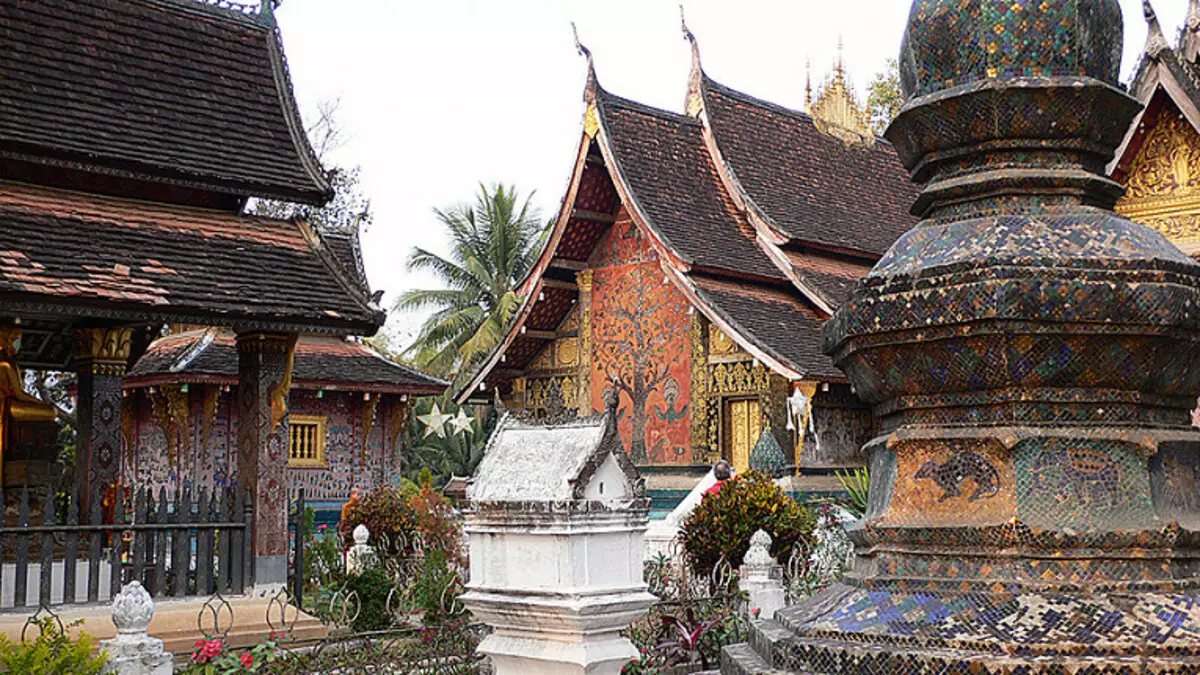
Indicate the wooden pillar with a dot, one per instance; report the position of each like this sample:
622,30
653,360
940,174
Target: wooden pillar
264,380
101,358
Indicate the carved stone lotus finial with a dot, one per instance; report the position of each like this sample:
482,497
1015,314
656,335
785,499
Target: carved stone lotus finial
132,609
361,535
758,561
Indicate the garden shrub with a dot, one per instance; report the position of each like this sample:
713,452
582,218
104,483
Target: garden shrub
387,515
722,524
438,522
429,588
52,653
372,586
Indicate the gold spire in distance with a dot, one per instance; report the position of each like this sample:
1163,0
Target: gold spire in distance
837,112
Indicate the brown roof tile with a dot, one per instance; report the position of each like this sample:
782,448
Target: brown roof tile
775,320
169,91
128,259
663,160
811,186
320,361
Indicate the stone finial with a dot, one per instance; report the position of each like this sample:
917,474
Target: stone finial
1156,42
361,535
1190,36
132,609
758,561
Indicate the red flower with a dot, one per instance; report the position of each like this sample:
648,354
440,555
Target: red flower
247,660
206,650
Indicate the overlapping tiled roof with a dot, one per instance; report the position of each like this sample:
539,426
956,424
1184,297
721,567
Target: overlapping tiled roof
782,323
701,186
662,158
166,91
118,258
810,187
321,362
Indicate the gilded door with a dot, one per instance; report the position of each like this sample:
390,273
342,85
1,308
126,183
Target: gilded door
743,425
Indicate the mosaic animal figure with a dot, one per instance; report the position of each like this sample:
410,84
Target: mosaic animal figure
1091,477
950,476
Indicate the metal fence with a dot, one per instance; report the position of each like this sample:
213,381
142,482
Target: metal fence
59,551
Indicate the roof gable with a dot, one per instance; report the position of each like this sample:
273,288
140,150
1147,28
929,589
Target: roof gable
160,91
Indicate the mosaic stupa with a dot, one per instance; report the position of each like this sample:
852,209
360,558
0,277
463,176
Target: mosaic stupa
1034,358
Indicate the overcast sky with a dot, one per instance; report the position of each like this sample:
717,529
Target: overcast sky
439,95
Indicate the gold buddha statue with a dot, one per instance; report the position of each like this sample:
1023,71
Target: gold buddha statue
16,405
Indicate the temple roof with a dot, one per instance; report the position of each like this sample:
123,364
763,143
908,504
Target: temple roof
168,92
210,356
764,223
795,177
1163,72
83,255
662,159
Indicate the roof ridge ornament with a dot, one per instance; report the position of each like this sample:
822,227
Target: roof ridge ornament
1156,42
1189,38
591,121
694,104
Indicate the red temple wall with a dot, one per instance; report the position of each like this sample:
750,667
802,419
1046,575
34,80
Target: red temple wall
641,334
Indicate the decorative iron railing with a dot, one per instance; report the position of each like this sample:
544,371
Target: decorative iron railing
57,551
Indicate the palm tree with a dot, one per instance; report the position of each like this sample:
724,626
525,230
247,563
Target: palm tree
494,244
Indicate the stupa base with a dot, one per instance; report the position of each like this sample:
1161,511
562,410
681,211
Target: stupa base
848,630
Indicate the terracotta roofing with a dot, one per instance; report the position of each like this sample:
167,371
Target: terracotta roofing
834,279
780,323
662,158
89,255
808,186
321,362
166,91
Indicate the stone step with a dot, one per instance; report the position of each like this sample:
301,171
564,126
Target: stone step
741,659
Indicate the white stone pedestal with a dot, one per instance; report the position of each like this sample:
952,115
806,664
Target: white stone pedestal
133,651
767,595
556,522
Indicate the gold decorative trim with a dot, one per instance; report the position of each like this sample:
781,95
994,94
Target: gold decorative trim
307,438
106,349
809,389
370,409
279,395
591,121
1166,168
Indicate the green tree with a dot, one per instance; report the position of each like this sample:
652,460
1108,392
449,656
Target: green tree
885,97
453,453
493,244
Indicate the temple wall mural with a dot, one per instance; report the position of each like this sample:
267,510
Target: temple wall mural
190,447
640,347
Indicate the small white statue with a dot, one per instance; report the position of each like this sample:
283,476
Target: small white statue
360,554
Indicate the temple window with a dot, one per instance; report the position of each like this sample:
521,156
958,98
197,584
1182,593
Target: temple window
307,447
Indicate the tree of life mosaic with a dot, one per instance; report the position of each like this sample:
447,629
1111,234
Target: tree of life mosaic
640,348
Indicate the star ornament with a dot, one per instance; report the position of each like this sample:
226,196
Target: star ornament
435,422
461,422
